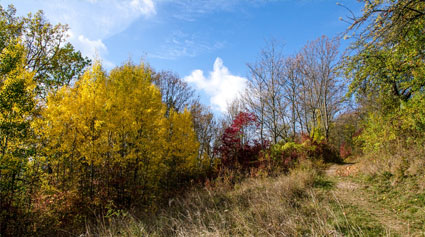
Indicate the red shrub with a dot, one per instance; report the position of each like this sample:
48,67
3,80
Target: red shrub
345,150
236,149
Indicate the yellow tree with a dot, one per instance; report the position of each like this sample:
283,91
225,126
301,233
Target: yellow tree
107,139
105,135
72,131
136,122
181,162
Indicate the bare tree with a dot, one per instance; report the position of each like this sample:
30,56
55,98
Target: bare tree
292,88
233,109
253,100
206,128
291,95
321,92
264,95
176,93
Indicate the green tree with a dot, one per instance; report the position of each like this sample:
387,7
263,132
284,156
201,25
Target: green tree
17,105
53,60
387,71
388,60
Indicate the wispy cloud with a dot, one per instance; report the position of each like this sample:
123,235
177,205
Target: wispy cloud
146,7
92,21
221,85
190,10
98,18
181,44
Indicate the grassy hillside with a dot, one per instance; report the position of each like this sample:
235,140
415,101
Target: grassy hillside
307,201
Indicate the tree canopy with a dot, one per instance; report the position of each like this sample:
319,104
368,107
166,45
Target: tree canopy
387,60
52,59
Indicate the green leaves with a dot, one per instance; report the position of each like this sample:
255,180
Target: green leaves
17,108
389,58
54,61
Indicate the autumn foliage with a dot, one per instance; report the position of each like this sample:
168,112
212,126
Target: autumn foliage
237,149
104,142
107,140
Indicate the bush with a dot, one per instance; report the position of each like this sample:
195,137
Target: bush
286,155
236,149
394,141
344,131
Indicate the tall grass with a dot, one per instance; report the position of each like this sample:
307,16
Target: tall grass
399,159
287,205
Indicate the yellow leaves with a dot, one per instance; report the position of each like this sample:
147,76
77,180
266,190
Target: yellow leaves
115,124
98,124
105,114
181,141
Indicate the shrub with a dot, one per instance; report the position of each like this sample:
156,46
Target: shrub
345,150
315,148
237,150
344,131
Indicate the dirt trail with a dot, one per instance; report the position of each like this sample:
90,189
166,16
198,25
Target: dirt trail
350,192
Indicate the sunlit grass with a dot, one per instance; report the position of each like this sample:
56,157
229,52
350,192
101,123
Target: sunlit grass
288,205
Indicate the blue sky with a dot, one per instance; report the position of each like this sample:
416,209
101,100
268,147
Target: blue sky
208,43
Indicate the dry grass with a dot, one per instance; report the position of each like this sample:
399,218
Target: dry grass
287,205
302,203
401,161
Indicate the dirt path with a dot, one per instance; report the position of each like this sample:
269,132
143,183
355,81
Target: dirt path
347,191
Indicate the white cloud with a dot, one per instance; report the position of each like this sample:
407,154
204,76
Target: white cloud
97,19
220,85
92,21
91,48
146,7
